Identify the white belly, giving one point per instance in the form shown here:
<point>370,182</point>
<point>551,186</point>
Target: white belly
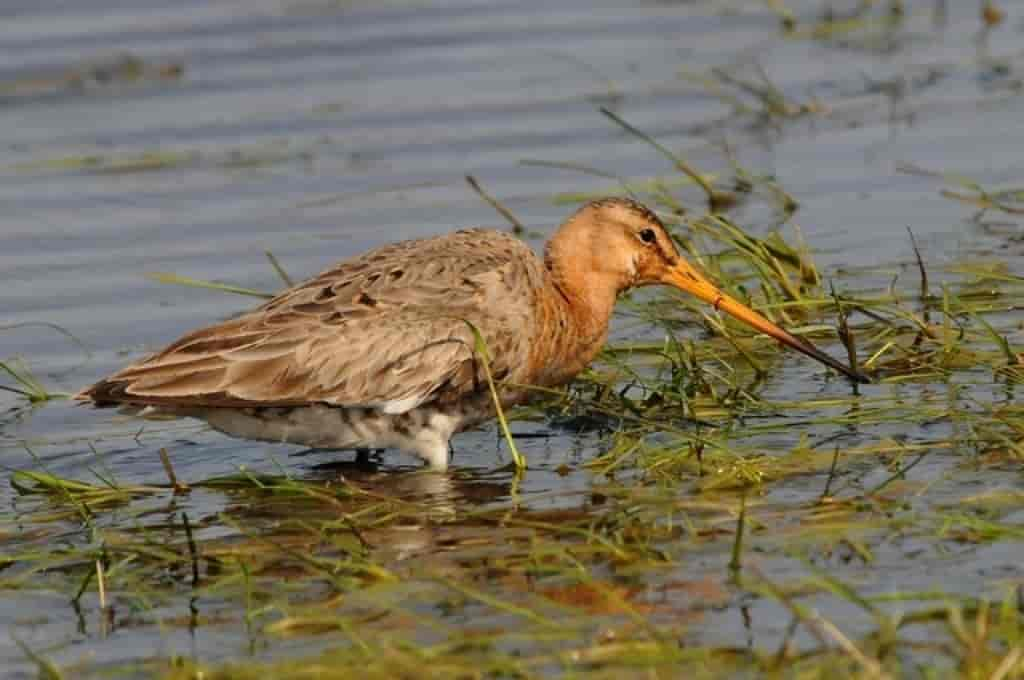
<point>423,431</point>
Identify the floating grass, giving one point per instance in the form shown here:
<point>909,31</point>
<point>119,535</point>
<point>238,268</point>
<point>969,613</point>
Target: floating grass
<point>717,200</point>
<point>285,278</point>
<point>971,192</point>
<point>730,511</point>
<point>26,384</point>
<point>46,669</point>
<point>517,226</point>
<point>175,279</point>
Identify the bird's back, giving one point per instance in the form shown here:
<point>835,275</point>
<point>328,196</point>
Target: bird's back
<point>385,330</point>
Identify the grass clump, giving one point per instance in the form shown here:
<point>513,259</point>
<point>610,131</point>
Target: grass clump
<point>26,385</point>
<point>731,510</point>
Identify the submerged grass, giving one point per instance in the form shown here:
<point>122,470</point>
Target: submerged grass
<point>744,514</point>
<point>969,191</point>
<point>599,586</point>
<point>26,385</point>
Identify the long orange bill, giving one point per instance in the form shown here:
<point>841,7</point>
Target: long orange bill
<point>684,277</point>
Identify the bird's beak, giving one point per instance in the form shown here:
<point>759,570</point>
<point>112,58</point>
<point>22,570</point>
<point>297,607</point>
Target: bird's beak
<point>684,277</point>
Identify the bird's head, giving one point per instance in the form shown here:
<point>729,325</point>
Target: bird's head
<point>620,244</point>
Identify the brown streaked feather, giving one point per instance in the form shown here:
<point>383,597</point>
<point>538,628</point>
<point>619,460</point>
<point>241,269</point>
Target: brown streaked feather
<point>387,326</point>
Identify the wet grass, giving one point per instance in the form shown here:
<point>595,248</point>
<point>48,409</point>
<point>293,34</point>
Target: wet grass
<point>1009,200</point>
<point>105,75</point>
<point>691,468</point>
<point>16,377</point>
<point>25,384</point>
<point>251,157</point>
<point>744,513</point>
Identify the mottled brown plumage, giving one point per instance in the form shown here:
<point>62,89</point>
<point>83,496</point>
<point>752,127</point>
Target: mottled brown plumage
<point>377,351</point>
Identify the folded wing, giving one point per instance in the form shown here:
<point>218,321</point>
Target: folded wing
<point>386,330</point>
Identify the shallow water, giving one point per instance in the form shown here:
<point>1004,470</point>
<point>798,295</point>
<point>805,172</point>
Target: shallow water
<point>316,130</point>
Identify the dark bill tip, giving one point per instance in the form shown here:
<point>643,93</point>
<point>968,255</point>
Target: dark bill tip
<point>815,353</point>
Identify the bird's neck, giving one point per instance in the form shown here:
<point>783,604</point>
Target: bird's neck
<point>582,301</point>
<point>587,309</point>
<point>576,265</point>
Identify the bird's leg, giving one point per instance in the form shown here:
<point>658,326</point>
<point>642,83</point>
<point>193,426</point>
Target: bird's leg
<point>365,456</point>
<point>434,451</point>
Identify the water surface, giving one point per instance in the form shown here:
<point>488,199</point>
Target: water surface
<point>193,137</point>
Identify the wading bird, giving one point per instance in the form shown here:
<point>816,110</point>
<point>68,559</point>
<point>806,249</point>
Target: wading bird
<point>376,352</point>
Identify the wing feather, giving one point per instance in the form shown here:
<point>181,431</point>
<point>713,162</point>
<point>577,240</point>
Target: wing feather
<point>387,330</point>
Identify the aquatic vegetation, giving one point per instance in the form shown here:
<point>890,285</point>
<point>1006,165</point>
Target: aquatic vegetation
<point>25,383</point>
<point>687,470</point>
<point>699,503</point>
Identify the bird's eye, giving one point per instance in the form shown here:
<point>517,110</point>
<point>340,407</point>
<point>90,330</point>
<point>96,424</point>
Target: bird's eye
<point>648,236</point>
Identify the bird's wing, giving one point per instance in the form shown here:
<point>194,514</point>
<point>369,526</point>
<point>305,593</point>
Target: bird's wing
<point>386,330</point>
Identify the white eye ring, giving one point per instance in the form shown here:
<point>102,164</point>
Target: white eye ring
<point>648,236</point>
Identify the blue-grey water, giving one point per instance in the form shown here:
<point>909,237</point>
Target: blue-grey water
<point>191,137</point>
